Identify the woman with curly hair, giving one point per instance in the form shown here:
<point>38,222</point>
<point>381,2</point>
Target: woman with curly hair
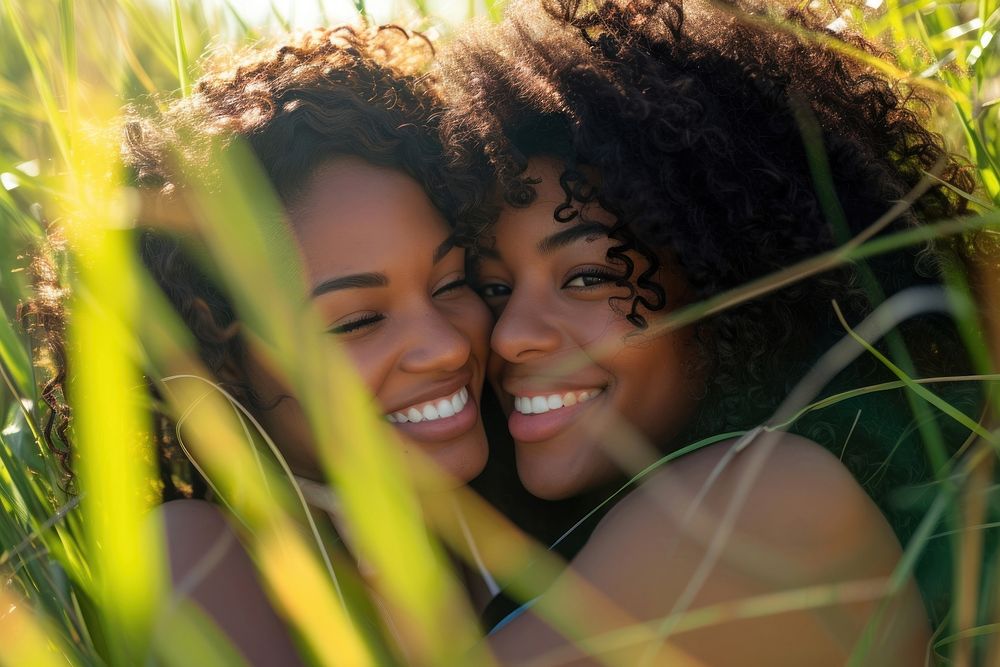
<point>344,124</point>
<point>650,156</point>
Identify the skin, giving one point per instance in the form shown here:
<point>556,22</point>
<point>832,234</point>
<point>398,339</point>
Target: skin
<point>391,288</point>
<point>548,284</point>
<point>780,516</point>
<point>389,285</point>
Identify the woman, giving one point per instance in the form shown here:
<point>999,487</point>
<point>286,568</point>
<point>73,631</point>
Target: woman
<point>343,123</point>
<point>650,156</point>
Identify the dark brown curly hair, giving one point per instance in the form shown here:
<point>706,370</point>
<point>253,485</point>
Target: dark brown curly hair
<point>727,140</point>
<point>346,91</point>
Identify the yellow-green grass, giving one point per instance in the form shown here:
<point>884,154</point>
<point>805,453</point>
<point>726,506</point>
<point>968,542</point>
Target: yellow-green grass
<point>82,565</point>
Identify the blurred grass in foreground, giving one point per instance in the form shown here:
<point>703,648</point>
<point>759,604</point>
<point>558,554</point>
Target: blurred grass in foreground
<point>82,576</point>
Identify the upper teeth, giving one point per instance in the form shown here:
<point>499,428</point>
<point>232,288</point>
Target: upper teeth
<point>536,405</point>
<point>441,408</point>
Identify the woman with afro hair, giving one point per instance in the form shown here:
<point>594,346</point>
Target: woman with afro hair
<point>343,123</point>
<point>649,157</point>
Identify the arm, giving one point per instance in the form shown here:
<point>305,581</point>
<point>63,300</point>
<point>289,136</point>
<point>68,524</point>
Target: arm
<point>804,523</point>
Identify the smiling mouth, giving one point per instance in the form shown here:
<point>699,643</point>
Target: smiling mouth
<point>536,405</point>
<point>440,408</point>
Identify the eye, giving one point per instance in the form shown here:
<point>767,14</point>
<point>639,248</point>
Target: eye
<point>590,278</point>
<point>493,290</point>
<point>450,287</point>
<point>364,321</point>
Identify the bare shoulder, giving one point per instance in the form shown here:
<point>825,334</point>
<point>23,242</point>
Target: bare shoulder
<point>731,524</point>
<point>197,532</point>
<point>189,519</point>
<point>210,567</point>
<point>779,488</point>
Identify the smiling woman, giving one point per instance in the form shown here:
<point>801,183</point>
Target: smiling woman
<point>649,156</point>
<point>388,281</point>
<point>343,123</point>
<point>552,282</point>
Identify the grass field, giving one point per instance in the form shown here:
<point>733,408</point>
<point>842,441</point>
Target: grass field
<point>81,573</point>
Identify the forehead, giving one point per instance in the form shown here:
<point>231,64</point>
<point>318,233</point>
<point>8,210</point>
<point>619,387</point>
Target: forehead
<point>528,225</point>
<point>355,216</point>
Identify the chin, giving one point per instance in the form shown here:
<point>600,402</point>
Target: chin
<point>545,477</point>
<point>462,461</point>
<point>551,474</point>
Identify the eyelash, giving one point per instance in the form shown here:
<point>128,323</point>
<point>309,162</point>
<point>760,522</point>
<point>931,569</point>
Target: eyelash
<point>453,285</point>
<point>605,277</point>
<point>356,325</point>
<point>370,320</point>
<point>485,289</point>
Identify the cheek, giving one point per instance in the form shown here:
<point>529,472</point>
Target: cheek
<point>599,327</point>
<point>660,398</point>
<point>472,317</point>
<point>373,359</point>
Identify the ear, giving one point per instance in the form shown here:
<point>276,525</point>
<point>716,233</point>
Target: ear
<point>203,324</point>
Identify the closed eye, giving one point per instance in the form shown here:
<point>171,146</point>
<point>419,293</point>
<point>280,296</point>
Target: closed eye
<point>357,324</point>
<point>450,287</point>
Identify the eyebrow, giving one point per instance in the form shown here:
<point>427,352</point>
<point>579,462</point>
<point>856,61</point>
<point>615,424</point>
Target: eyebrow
<point>374,278</point>
<point>446,246</point>
<point>563,238</point>
<point>345,282</point>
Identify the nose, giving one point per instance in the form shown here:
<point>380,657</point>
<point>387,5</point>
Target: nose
<point>524,330</point>
<point>436,344</point>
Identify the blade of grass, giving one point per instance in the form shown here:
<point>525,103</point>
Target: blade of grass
<point>248,32</point>
<point>970,556</point>
<point>282,20</point>
<point>148,27</point>
<point>67,25</point>
<point>217,442</point>
<point>115,462</point>
<point>26,638</point>
<point>180,48</point>
<point>189,637</point>
<point>43,84</point>
<point>917,388</point>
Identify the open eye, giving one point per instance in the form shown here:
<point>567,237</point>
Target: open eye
<point>493,290</point>
<point>590,278</point>
<point>359,323</point>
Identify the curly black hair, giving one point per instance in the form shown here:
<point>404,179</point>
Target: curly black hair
<point>346,91</point>
<point>694,120</point>
<point>728,139</point>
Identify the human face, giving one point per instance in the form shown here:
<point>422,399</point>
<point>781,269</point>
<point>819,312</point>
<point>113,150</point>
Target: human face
<point>392,291</point>
<point>568,367</point>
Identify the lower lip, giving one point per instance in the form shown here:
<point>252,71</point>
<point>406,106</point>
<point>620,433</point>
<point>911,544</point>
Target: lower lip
<point>444,429</point>
<point>536,428</point>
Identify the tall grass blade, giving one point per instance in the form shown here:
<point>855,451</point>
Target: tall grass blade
<point>43,84</point>
<point>27,639</point>
<point>67,25</point>
<point>180,48</point>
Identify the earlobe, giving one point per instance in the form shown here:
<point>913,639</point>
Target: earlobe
<point>203,324</point>
<point>205,327</point>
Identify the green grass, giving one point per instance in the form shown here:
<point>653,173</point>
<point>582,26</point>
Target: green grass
<point>84,574</point>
